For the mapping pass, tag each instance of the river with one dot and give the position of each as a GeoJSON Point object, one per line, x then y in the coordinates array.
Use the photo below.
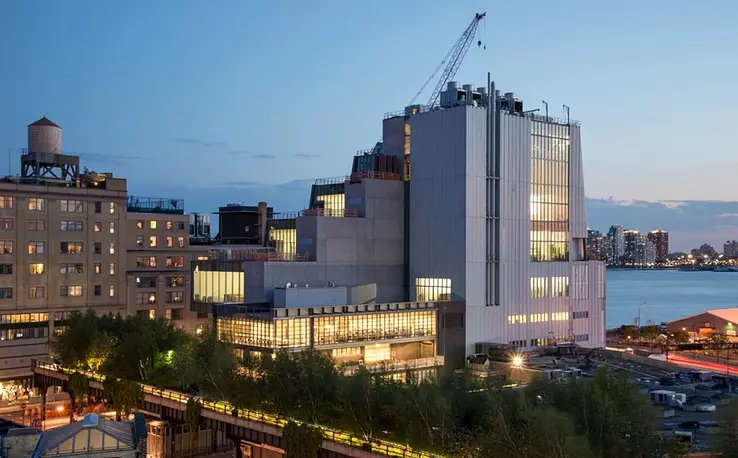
{"type": "Point", "coordinates": [668, 294]}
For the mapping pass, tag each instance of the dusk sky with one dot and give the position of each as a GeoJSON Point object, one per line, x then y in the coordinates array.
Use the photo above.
{"type": "Point", "coordinates": [242, 100]}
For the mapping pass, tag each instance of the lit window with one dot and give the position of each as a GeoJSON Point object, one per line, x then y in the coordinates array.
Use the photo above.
{"type": "Point", "coordinates": [146, 298]}
{"type": "Point", "coordinates": [112, 247]}
{"type": "Point", "coordinates": [559, 316]}
{"type": "Point", "coordinates": [560, 286]}
{"type": "Point", "coordinates": [6, 202]}
{"type": "Point", "coordinates": [112, 208]}
{"type": "Point", "coordinates": [432, 289]}
{"type": "Point", "coordinates": [36, 268]}
{"type": "Point", "coordinates": [175, 296]}
{"type": "Point", "coordinates": [66, 268]}
{"type": "Point", "coordinates": [146, 261]}
{"type": "Point", "coordinates": [538, 287]}
{"type": "Point", "coordinates": [174, 261]}
{"type": "Point", "coordinates": [35, 247]}
{"type": "Point", "coordinates": [516, 319]}
{"type": "Point", "coordinates": [139, 241]}
{"type": "Point", "coordinates": [173, 314]}
{"type": "Point", "coordinates": [170, 225]}
{"type": "Point", "coordinates": [152, 224]}
{"type": "Point", "coordinates": [152, 241]}
{"type": "Point", "coordinates": [538, 317]}
{"type": "Point", "coordinates": [98, 226]}
{"type": "Point", "coordinates": [6, 246]}
{"type": "Point", "coordinates": [69, 248]}
{"type": "Point", "coordinates": [112, 227]}
{"type": "Point", "coordinates": [70, 291]}
{"type": "Point", "coordinates": [71, 206]}
{"type": "Point", "coordinates": [112, 268]}
{"type": "Point", "coordinates": [6, 224]}
{"type": "Point", "coordinates": [180, 242]}
{"type": "Point", "coordinates": [139, 224]}
{"type": "Point", "coordinates": [36, 204]}
{"type": "Point", "coordinates": [169, 242]}
{"type": "Point", "coordinates": [35, 292]}
{"type": "Point", "coordinates": [98, 268]}
{"type": "Point", "coordinates": [111, 290]}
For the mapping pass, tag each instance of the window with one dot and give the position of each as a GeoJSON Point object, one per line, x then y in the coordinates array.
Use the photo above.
{"type": "Point", "coordinates": [146, 298]}
{"type": "Point", "coordinates": [149, 313]}
{"type": "Point", "coordinates": [538, 317]}
{"type": "Point", "coordinates": [175, 282]}
{"type": "Point", "coordinates": [139, 241]}
{"type": "Point", "coordinates": [559, 316]}
{"type": "Point", "coordinates": [67, 268]}
{"type": "Point", "coordinates": [170, 225]}
{"type": "Point", "coordinates": [581, 337]}
{"type": "Point", "coordinates": [71, 247]}
{"type": "Point", "coordinates": [98, 206]}
{"type": "Point", "coordinates": [152, 224]}
{"type": "Point", "coordinates": [152, 241]}
{"type": "Point", "coordinates": [112, 268]}
{"type": "Point", "coordinates": [579, 315]}
{"type": "Point", "coordinates": [6, 246]}
{"type": "Point", "coordinates": [36, 204]}
{"type": "Point", "coordinates": [111, 290]}
{"type": "Point", "coordinates": [538, 287]}
{"type": "Point", "coordinates": [98, 247]}
{"type": "Point", "coordinates": [432, 289]}
{"type": "Point", "coordinates": [72, 226]}
{"type": "Point", "coordinates": [146, 261]}
{"type": "Point", "coordinates": [180, 242]}
{"type": "Point", "coordinates": [174, 261]}
{"type": "Point", "coordinates": [112, 208]}
{"type": "Point", "coordinates": [97, 290]}
{"type": "Point", "coordinates": [560, 286]}
{"type": "Point", "coordinates": [36, 225]}
{"type": "Point", "coordinates": [516, 319]}
{"type": "Point", "coordinates": [146, 282]}
{"type": "Point", "coordinates": [169, 242]}
{"type": "Point", "coordinates": [6, 293]}
{"type": "Point", "coordinates": [180, 226]}
{"type": "Point", "coordinates": [112, 227]}
{"type": "Point", "coordinates": [175, 297]}
{"type": "Point", "coordinates": [70, 291]}
{"type": "Point", "coordinates": [71, 206]}
{"type": "Point", "coordinates": [6, 224]}
{"type": "Point", "coordinates": [36, 247]}
{"type": "Point", "coordinates": [98, 226]}
{"type": "Point", "coordinates": [112, 248]}
{"type": "Point", "coordinates": [98, 268]}
{"type": "Point", "coordinates": [36, 268]}
{"type": "Point", "coordinates": [35, 292]}
{"type": "Point", "coordinates": [139, 224]}
{"type": "Point", "coordinates": [173, 314]}
{"type": "Point", "coordinates": [6, 269]}
{"type": "Point", "coordinates": [6, 202]}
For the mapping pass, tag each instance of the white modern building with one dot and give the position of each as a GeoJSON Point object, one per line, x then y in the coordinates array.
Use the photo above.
{"type": "Point", "coordinates": [497, 220]}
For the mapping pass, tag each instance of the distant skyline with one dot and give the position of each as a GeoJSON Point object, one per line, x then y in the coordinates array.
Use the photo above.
{"type": "Point", "coordinates": [236, 99]}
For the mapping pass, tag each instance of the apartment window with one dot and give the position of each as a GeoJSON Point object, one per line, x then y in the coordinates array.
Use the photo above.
{"type": "Point", "coordinates": [6, 224]}
{"type": "Point", "coordinates": [36, 268]}
{"type": "Point", "coordinates": [152, 224]}
{"type": "Point", "coordinates": [6, 202]}
{"type": "Point", "coordinates": [538, 287]}
{"type": "Point", "coordinates": [146, 282]}
{"type": "Point", "coordinates": [112, 227]}
{"type": "Point", "coordinates": [6, 246]}
{"type": "Point", "coordinates": [36, 247]}
{"type": "Point", "coordinates": [146, 298]}
{"type": "Point", "coordinates": [560, 286]}
{"type": "Point", "coordinates": [180, 242]}
{"type": "Point", "coordinates": [580, 315]}
{"type": "Point", "coordinates": [98, 206]}
{"type": "Point", "coordinates": [432, 289]}
{"type": "Point", "coordinates": [35, 292]}
{"type": "Point", "coordinates": [112, 268]}
{"type": "Point", "coordinates": [152, 241]}
{"type": "Point", "coordinates": [6, 293]}
{"type": "Point", "coordinates": [72, 226]}
{"type": "Point", "coordinates": [173, 314]}
{"type": "Point", "coordinates": [66, 268]}
{"type": "Point", "coordinates": [175, 297]}
{"type": "Point", "coordinates": [139, 241]}
{"type": "Point", "coordinates": [175, 282]}
{"type": "Point", "coordinates": [112, 248]}
{"type": "Point", "coordinates": [98, 226]}
{"type": "Point", "coordinates": [149, 313]}
{"type": "Point", "coordinates": [71, 247]}
{"type": "Point", "coordinates": [98, 268]}
{"type": "Point", "coordinates": [169, 242]}
{"type": "Point", "coordinates": [174, 261]}
{"type": "Point", "coordinates": [111, 290]}
{"type": "Point", "coordinates": [98, 247]}
{"type": "Point", "coordinates": [170, 225]}
{"type": "Point", "coordinates": [139, 224]}
{"type": "Point", "coordinates": [559, 316]}
{"type": "Point", "coordinates": [36, 225]}
{"type": "Point", "coordinates": [146, 261]}
{"type": "Point", "coordinates": [112, 208]}
{"type": "Point", "coordinates": [36, 204]}
{"type": "Point", "coordinates": [6, 269]}
{"type": "Point", "coordinates": [70, 290]}
{"type": "Point", "coordinates": [180, 226]}
{"type": "Point", "coordinates": [71, 206]}
{"type": "Point", "coordinates": [517, 319]}
{"type": "Point", "coordinates": [538, 317]}
{"type": "Point", "coordinates": [97, 290]}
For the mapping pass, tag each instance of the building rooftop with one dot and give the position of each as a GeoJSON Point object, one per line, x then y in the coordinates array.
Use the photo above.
{"type": "Point", "coordinates": [729, 314]}
{"type": "Point", "coordinates": [124, 432]}
{"type": "Point", "coordinates": [45, 122]}
{"type": "Point", "coordinates": [137, 204]}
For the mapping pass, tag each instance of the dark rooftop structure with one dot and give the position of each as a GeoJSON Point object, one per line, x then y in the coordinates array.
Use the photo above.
{"type": "Point", "coordinates": [168, 206]}
{"type": "Point", "coordinates": [44, 122]}
{"type": "Point", "coordinates": [243, 224]}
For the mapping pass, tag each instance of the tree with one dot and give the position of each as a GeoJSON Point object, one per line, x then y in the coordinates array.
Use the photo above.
{"type": "Point", "coordinates": [216, 365]}
{"type": "Point", "coordinates": [124, 396]}
{"type": "Point", "coordinates": [192, 419]}
{"type": "Point", "coordinates": [679, 336]}
{"type": "Point", "coordinates": [301, 441]}
{"type": "Point", "coordinates": [79, 387]}
{"type": "Point", "coordinates": [650, 333]}
{"type": "Point", "coordinates": [726, 445]}
{"type": "Point", "coordinates": [317, 383]}
{"type": "Point", "coordinates": [358, 395]}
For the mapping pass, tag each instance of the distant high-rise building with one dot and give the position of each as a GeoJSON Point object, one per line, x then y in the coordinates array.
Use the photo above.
{"type": "Point", "coordinates": [616, 244]}
{"type": "Point", "coordinates": [631, 240]}
{"type": "Point", "coordinates": [596, 245]}
{"type": "Point", "coordinates": [730, 249]}
{"type": "Point", "coordinates": [660, 240]}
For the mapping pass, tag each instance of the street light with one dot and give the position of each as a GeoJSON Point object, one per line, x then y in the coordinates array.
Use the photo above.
{"type": "Point", "coordinates": [517, 361]}
{"type": "Point", "coordinates": [639, 313]}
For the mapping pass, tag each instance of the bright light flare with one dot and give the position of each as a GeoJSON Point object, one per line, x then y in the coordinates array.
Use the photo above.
{"type": "Point", "coordinates": [60, 408]}
{"type": "Point", "coordinates": [517, 361]}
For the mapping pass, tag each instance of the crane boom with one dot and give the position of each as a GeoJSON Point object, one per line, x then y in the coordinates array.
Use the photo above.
{"type": "Point", "coordinates": [454, 58]}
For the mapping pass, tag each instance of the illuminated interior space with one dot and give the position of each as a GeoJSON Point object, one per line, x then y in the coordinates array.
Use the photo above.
{"type": "Point", "coordinates": [284, 240]}
{"type": "Point", "coordinates": [217, 282]}
{"type": "Point", "coordinates": [432, 289]}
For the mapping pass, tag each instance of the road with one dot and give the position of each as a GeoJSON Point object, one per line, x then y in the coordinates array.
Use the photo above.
{"type": "Point", "coordinates": [685, 361]}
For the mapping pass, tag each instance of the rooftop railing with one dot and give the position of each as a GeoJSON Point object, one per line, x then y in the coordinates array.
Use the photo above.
{"type": "Point", "coordinates": [377, 176]}
{"type": "Point", "coordinates": [331, 180]}
{"type": "Point", "coordinates": [170, 206]}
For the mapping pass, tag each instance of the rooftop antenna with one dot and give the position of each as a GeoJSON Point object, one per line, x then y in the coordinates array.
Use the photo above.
{"type": "Point", "coordinates": [546, 104]}
{"type": "Point", "coordinates": [566, 110]}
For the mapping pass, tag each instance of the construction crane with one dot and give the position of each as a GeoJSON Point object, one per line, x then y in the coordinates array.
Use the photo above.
{"type": "Point", "coordinates": [453, 60]}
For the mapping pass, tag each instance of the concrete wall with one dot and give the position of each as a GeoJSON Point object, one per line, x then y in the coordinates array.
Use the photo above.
{"type": "Point", "coordinates": [310, 297]}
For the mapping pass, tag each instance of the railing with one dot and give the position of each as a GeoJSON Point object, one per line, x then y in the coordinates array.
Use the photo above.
{"type": "Point", "coordinates": [277, 257]}
{"type": "Point", "coordinates": [155, 205]}
{"type": "Point", "coordinates": [378, 446]}
{"type": "Point", "coordinates": [392, 366]}
{"type": "Point", "coordinates": [390, 176]}
{"type": "Point", "coordinates": [333, 212]}
{"type": "Point", "coordinates": [331, 180]}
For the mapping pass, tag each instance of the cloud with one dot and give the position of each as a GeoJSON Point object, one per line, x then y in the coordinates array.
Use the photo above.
{"type": "Point", "coordinates": [263, 156]}
{"type": "Point", "coordinates": [111, 159]}
{"type": "Point", "coordinates": [727, 215]}
{"type": "Point", "coordinates": [238, 153]}
{"type": "Point", "coordinates": [306, 155]}
{"type": "Point", "coordinates": [199, 142]}
{"type": "Point", "coordinates": [255, 156]}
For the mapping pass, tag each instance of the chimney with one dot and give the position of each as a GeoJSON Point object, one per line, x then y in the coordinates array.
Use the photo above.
{"type": "Point", "coordinates": [262, 222]}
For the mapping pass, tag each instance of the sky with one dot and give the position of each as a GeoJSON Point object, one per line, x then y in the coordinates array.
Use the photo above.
{"type": "Point", "coordinates": [250, 100]}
